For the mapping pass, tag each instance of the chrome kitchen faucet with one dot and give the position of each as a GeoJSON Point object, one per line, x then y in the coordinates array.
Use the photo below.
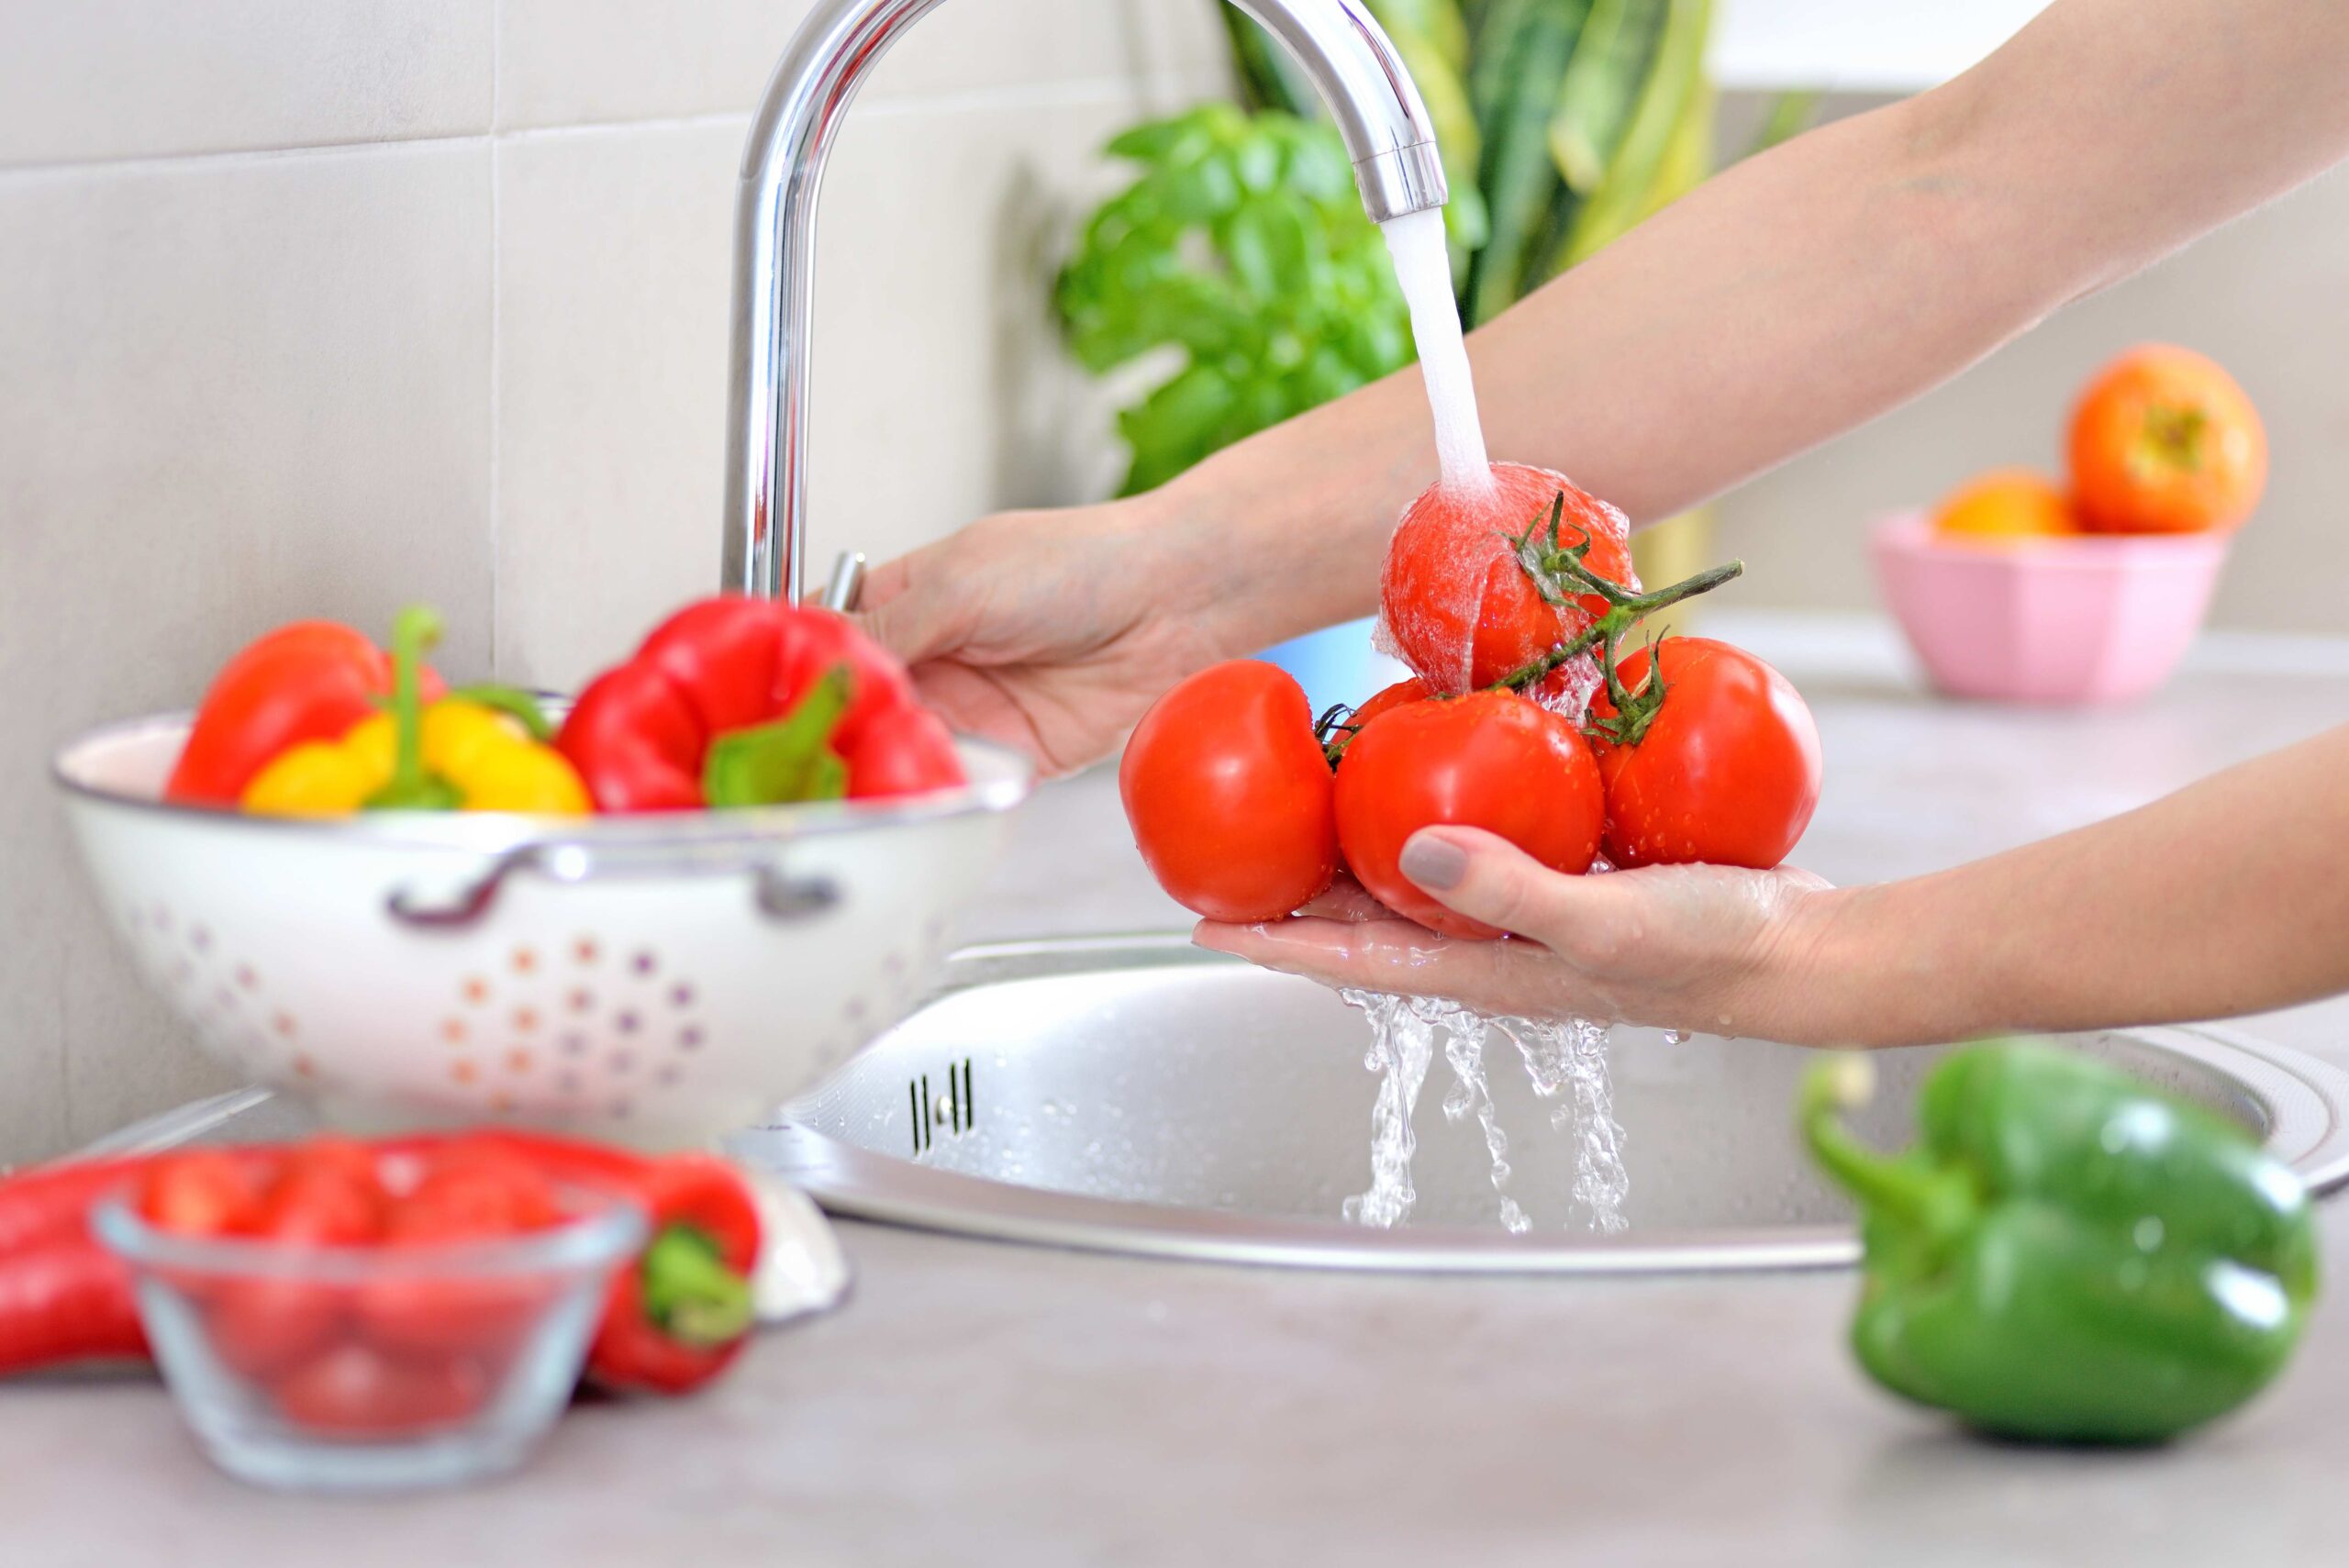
{"type": "Point", "coordinates": [1340, 46]}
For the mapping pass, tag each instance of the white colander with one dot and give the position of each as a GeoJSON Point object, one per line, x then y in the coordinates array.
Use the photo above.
{"type": "Point", "coordinates": [654, 980]}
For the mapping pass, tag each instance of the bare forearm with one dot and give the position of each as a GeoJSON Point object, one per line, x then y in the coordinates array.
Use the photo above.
{"type": "Point", "coordinates": [2228, 897]}
{"type": "Point", "coordinates": [1803, 292]}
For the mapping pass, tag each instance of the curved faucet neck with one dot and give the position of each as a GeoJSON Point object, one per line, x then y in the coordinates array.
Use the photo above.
{"type": "Point", "coordinates": [1338, 44]}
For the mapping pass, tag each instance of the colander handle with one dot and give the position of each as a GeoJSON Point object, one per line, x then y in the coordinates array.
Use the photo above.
{"type": "Point", "coordinates": [776, 892]}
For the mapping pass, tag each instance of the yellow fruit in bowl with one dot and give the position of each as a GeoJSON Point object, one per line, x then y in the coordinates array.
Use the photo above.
{"type": "Point", "coordinates": [2006, 504]}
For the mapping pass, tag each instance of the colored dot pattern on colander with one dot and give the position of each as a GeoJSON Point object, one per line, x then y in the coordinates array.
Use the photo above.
{"type": "Point", "coordinates": [226, 997]}
{"type": "Point", "coordinates": [576, 1027]}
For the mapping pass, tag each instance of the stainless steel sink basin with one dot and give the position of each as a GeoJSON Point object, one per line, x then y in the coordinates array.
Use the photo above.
{"type": "Point", "coordinates": [1136, 1096]}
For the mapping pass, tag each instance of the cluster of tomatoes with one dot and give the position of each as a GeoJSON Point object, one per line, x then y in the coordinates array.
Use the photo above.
{"type": "Point", "coordinates": [1519, 718]}
{"type": "Point", "coordinates": [395, 1349]}
{"type": "Point", "coordinates": [2163, 441]}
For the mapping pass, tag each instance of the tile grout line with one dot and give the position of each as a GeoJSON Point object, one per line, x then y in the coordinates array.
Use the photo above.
{"type": "Point", "coordinates": [151, 164]}
{"type": "Point", "coordinates": [888, 106]}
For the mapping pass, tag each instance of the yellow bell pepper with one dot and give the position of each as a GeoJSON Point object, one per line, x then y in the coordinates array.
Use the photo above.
{"type": "Point", "coordinates": [456, 755]}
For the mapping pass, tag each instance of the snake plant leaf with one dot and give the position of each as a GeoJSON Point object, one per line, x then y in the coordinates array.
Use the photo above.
{"type": "Point", "coordinates": [1490, 68]}
{"type": "Point", "coordinates": [1268, 77]}
{"type": "Point", "coordinates": [1623, 194]}
{"type": "Point", "coordinates": [1519, 176]}
{"type": "Point", "coordinates": [1788, 117]}
{"type": "Point", "coordinates": [1687, 158]}
{"type": "Point", "coordinates": [1602, 84]}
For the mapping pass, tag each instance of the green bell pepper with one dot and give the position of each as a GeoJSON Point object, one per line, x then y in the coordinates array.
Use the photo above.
{"type": "Point", "coordinates": [2067, 1254]}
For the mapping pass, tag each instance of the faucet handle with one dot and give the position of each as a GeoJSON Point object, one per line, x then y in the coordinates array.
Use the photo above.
{"type": "Point", "coordinates": [848, 581]}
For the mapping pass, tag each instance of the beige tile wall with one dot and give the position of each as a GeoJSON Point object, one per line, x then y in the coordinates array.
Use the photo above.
{"type": "Point", "coordinates": [320, 308]}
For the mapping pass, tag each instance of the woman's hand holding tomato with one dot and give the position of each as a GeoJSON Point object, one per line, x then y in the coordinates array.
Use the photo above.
{"type": "Point", "coordinates": [1467, 818]}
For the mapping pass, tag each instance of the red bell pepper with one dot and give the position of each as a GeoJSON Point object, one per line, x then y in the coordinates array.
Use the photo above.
{"type": "Point", "coordinates": [310, 681]}
{"type": "Point", "coordinates": [683, 1311]}
{"type": "Point", "coordinates": [739, 702]}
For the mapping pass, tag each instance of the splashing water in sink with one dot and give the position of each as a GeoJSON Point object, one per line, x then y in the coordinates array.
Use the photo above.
{"type": "Point", "coordinates": [1572, 1055]}
{"type": "Point", "coordinates": [1463, 1048]}
{"type": "Point", "coordinates": [1402, 1040]}
{"type": "Point", "coordinates": [1561, 1058]}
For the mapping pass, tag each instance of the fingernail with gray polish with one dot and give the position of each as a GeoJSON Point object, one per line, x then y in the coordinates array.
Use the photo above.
{"type": "Point", "coordinates": [1434, 864]}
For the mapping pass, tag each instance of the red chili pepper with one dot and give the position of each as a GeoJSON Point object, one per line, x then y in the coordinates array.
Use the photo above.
{"type": "Point", "coordinates": [739, 701]}
{"type": "Point", "coordinates": [681, 1316]}
{"type": "Point", "coordinates": [51, 1203]}
{"type": "Point", "coordinates": [64, 1297]}
{"type": "Point", "coordinates": [66, 1301]}
{"type": "Point", "coordinates": [310, 681]}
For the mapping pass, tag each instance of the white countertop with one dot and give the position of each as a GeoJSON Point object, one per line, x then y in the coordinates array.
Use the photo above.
{"type": "Point", "coordinates": [978, 1403]}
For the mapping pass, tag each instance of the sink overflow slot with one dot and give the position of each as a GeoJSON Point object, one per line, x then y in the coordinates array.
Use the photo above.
{"type": "Point", "coordinates": [952, 1108]}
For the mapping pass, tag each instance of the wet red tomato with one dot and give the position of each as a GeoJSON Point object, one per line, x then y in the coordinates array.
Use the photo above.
{"type": "Point", "coordinates": [1227, 791]}
{"type": "Point", "coordinates": [1490, 760]}
{"type": "Point", "coordinates": [1728, 772]}
{"type": "Point", "coordinates": [1462, 611]}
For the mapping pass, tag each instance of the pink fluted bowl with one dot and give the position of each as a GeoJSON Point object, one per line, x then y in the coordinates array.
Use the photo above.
{"type": "Point", "coordinates": [2098, 619]}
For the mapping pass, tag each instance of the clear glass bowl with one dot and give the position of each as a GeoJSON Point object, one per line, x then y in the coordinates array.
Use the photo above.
{"type": "Point", "coordinates": [380, 1368]}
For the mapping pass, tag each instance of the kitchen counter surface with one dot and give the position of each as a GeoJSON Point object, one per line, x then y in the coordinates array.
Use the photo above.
{"type": "Point", "coordinates": [984, 1403]}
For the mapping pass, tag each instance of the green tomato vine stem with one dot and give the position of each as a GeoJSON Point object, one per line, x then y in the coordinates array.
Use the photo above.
{"type": "Point", "coordinates": [1562, 575]}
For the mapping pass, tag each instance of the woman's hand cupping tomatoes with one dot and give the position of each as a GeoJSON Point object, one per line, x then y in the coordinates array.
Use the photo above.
{"type": "Point", "coordinates": [1505, 604]}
